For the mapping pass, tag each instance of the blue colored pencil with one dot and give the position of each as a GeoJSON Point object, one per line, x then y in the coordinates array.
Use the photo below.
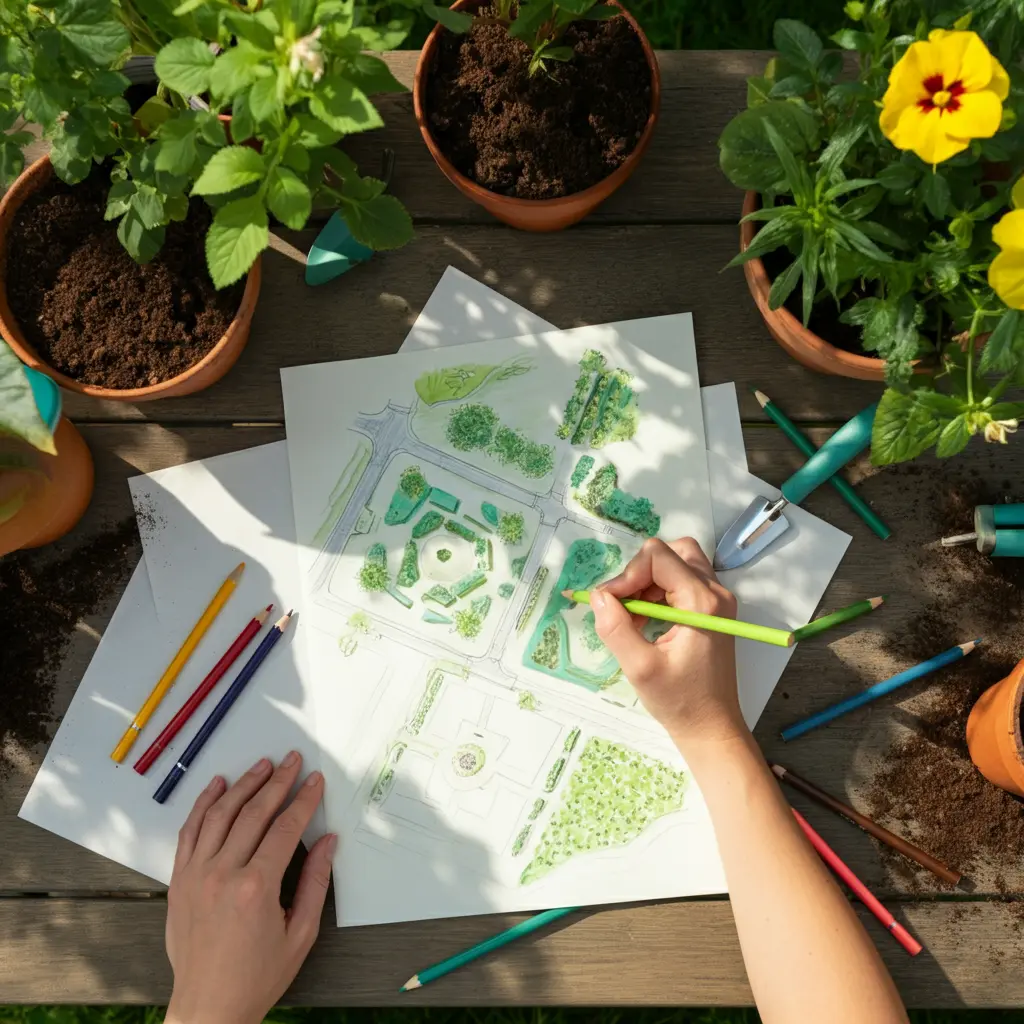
{"type": "Point", "coordinates": [233, 692]}
{"type": "Point", "coordinates": [517, 931]}
{"type": "Point", "coordinates": [886, 686]}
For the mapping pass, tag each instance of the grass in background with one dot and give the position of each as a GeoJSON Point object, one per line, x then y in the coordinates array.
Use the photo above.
{"type": "Point", "coordinates": [154, 1015]}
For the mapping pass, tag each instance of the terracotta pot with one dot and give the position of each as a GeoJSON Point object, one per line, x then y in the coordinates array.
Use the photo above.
{"type": "Point", "coordinates": [57, 502]}
{"type": "Point", "coordinates": [803, 345]}
{"type": "Point", "coordinates": [207, 371]}
{"type": "Point", "coordinates": [534, 214]}
{"type": "Point", "coordinates": [994, 735]}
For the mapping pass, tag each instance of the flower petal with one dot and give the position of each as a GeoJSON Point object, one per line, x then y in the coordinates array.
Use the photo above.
{"type": "Point", "coordinates": [1017, 193]}
{"type": "Point", "coordinates": [1008, 234]}
{"type": "Point", "coordinates": [923, 131]}
{"type": "Point", "coordinates": [1000, 83]}
{"type": "Point", "coordinates": [906, 80]}
{"type": "Point", "coordinates": [1006, 276]}
{"type": "Point", "coordinates": [963, 57]}
{"type": "Point", "coordinates": [977, 116]}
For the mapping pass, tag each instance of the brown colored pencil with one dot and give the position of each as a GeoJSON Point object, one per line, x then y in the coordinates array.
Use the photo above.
{"type": "Point", "coordinates": [926, 860]}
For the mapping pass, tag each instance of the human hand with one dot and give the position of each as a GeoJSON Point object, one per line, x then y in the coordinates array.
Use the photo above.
{"type": "Point", "coordinates": [686, 678]}
{"type": "Point", "coordinates": [233, 949]}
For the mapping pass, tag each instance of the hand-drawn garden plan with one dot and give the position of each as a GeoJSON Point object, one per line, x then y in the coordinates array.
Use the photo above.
{"type": "Point", "coordinates": [482, 750]}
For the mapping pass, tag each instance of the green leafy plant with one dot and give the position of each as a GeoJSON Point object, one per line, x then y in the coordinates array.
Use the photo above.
{"type": "Point", "coordinates": [899, 245]}
{"type": "Point", "coordinates": [22, 434]}
{"type": "Point", "coordinates": [541, 24]}
{"type": "Point", "coordinates": [291, 74]}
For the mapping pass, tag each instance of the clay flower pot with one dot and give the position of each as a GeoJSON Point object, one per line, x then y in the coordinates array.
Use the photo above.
{"type": "Point", "coordinates": [534, 214]}
{"type": "Point", "coordinates": [207, 371]}
{"type": "Point", "coordinates": [803, 345]}
{"type": "Point", "coordinates": [60, 495]}
{"type": "Point", "coordinates": [994, 734]}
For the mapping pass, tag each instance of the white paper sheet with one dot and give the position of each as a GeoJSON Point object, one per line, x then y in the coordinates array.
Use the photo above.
{"type": "Point", "coordinates": [199, 520]}
{"type": "Point", "coordinates": [462, 310]}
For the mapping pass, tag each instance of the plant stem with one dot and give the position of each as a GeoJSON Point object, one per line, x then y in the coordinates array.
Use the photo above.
{"type": "Point", "coordinates": [997, 390]}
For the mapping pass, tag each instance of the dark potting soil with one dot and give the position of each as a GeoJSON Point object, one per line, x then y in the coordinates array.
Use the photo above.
{"type": "Point", "coordinates": [42, 598]}
{"type": "Point", "coordinates": [928, 787]}
{"type": "Point", "coordinates": [91, 311]}
{"type": "Point", "coordinates": [545, 136]}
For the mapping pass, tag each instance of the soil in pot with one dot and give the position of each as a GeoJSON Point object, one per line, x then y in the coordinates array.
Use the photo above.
{"type": "Point", "coordinates": [549, 135]}
{"type": "Point", "coordinates": [90, 311]}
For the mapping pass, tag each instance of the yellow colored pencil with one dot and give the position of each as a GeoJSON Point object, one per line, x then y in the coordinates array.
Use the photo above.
{"type": "Point", "coordinates": [166, 681]}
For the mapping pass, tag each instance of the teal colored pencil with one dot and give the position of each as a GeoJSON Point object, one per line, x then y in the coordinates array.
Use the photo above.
{"type": "Point", "coordinates": [517, 931]}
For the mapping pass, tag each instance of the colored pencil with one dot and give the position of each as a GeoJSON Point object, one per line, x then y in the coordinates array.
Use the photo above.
{"type": "Point", "coordinates": [217, 715]}
{"type": "Point", "coordinates": [517, 931]}
{"type": "Point", "coordinates": [807, 446]}
{"type": "Point", "coordinates": [879, 689]}
{"type": "Point", "coordinates": [714, 623]}
{"type": "Point", "coordinates": [166, 681]}
{"type": "Point", "coordinates": [201, 692]}
{"type": "Point", "coordinates": [851, 611]}
{"type": "Point", "coordinates": [860, 890]}
{"type": "Point", "coordinates": [926, 860]}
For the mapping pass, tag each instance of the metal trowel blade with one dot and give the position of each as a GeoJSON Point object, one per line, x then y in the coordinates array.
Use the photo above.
{"type": "Point", "coordinates": [749, 535]}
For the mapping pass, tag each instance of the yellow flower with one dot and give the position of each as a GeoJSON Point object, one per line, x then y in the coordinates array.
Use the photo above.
{"type": "Point", "coordinates": [1006, 271]}
{"type": "Point", "coordinates": [943, 93]}
{"type": "Point", "coordinates": [996, 430]}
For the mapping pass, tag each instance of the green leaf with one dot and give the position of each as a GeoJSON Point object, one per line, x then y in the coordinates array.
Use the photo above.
{"type": "Point", "coordinates": [379, 223]}
{"type": "Point", "coordinates": [119, 199]}
{"type": "Point", "coordinates": [795, 173]}
{"type": "Point", "coordinates": [228, 169]}
{"type": "Point", "coordinates": [758, 89]}
{"type": "Point", "coordinates": [600, 12]}
{"type": "Point", "coordinates": [141, 242]}
{"type": "Point", "coordinates": [850, 185]}
{"type": "Point", "coordinates": [238, 234]}
{"type": "Point", "coordinates": [791, 85]}
{"type": "Point", "coordinates": [263, 101]}
{"type": "Point", "coordinates": [109, 83]}
{"type": "Point", "coordinates": [746, 155]}
{"type": "Point", "coordinates": [236, 69]}
{"type": "Point", "coordinates": [289, 198]}
{"type": "Point", "coordinates": [177, 151]}
{"type": "Point", "coordinates": [12, 162]}
{"type": "Point", "coordinates": [859, 241]}
{"type": "Point", "coordinates": [796, 42]}
{"type": "Point", "coordinates": [845, 138]}
{"type": "Point", "coordinates": [809, 256]}
{"type": "Point", "coordinates": [242, 124]}
{"type": "Point", "coordinates": [1005, 346]}
{"type": "Point", "coordinates": [343, 106]}
{"type": "Point", "coordinates": [12, 55]}
{"type": "Point", "coordinates": [1006, 410]}
{"type": "Point", "coordinates": [297, 158]}
{"type": "Point", "coordinates": [90, 29]}
{"type": "Point", "coordinates": [851, 39]}
{"type": "Point", "coordinates": [575, 7]}
{"type": "Point", "coordinates": [879, 232]}
{"type": "Point", "coordinates": [530, 18]}
{"type": "Point", "coordinates": [184, 65]}
{"type": "Point", "coordinates": [783, 285]}
{"type": "Point", "coordinates": [18, 413]}
{"type": "Point", "coordinates": [388, 36]}
{"type": "Point", "coordinates": [862, 205]}
{"type": "Point", "coordinates": [889, 327]}
{"type": "Point", "coordinates": [41, 104]}
{"type": "Point", "coordinates": [562, 53]}
{"type": "Point", "coordinates": [188, 7]}
{"type": "Point", "coordinates": [314, 134]}
{"type": "Point", "coordinates": [898, 177]}
{"type": "Point", "coordinates": [934, 193]}
{"type": "Point", "coordinates": [961, 228]}
{"type": "Point", "coordinates": [372, 75]}
{"type": "Point", "coordinates": [153, 113]}
{"type": "Point", "coordinates": [454, 21]}
{"type": "Point", "coordinates": [831, 67]}
{"type": "Point", "coordinates": [259, 28]}
{"type": "Point", "coordinates": [954, 437]}
{"type": "Point", "coordinates": [772, 236]}
{"type": "Point", "coordinates": [904, 427]}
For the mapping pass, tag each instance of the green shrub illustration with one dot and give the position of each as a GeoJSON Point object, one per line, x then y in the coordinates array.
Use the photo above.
{"type": "Point", "coordinates": [538, 806]}
{"type": "Point", "coordinates": [505, 590]}
{"type": "Point", "coordinates": [435, 679]}
{"type": "Point", "coordinates": [582, 468]}
{"type": "Point", "coordinates": [412, 483]}
{"type": "Point", "coordinates": [409, 572]}
{"type": "Point", "coordinates": [468, 760]}
{"type": "Point", "coordinates": [614, 794]}
{"type": "Point", "coordinates": [471, 427]}
{"type": "Point", "coordinates": [511, 526]}
{"type": "Point", "coordinates": [443, 554]}
{"type": "Point", "coordinates": [571, 740]}
{"type": "Point", "coordinates": [527, 701]}
{"type": "Point", "coordinates": [547, 651]}
{"type": "Point", "coordinates": [481, 606]}
{"type": "Point", "coordinates": [469, 583]}
{"type": "Point", "coordinates": [428, 523]}
{"type": "Point", "coordinates": [517, 566]}
{"type": "Point", "coordinates": [602, 407]}
{"type": "Point", "coordinates": [373, 576]}
{"type": "Point", "coordinates": [554, 774]}
{"type": "Point", "coordinates": [441, 594]}
{"type": "Point", "coordinates": [513, 448]}
{"type": "Point", "coordinates": [460, 530]}
{"type": "Point", "coordinates": [468, 624]}
{"type": "Point", "coordinates": [489, 512]}
{"type": "Point", "coordinates": [521, 839]}
{"type": "Point", "coordinates": [589, 636]}
{"type": "Point", "coordinates": [603, 498]}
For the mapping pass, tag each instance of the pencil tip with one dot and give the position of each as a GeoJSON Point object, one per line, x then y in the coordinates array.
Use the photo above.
{"type": "Point", "coordinates": [270, 607]}
{"type": "Point", "coordinates": [876, 601]}
{"type": "Point", "coordinates": [237, 571]}
{"type": "Point", "coordinates": [762, 398]}
{"type": "Point", "coordinates": [567, 593]}
{"type": "Point", "coordinates": [777, 769]}
{"type": "Point", "coordinates": [413, 982]}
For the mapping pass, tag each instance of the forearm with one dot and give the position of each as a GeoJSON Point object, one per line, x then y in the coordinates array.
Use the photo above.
{"type": "Point", "coordinates": [806, 953]}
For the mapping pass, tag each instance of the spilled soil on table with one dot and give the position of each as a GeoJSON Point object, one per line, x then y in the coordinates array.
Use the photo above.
{"type": "Point", "coordinates": [927, 788]}
{"type": "Point", "coordinates": [43, 597]}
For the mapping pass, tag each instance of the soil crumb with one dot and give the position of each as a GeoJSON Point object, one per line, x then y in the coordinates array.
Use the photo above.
{"type": "Point", "coordinates": [91, 311]}
{"type": "Point", "coordinates": [547, 135]}
{"type": "Point", "coordinates": [42, 598]}
{"type": "Point", "coordinates": [928, 785]}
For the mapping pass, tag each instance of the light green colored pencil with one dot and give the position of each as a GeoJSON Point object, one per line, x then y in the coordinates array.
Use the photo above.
{"type": "Point", "coordinates": [852, 611]}
{"type": "Point", "coordinates": [714, 623]}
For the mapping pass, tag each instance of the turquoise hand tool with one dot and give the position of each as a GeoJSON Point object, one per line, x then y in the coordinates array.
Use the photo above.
{"type": "Point", "coordinates": [989, 534]}
{"type": "Point", "coordinates": [762, 522]}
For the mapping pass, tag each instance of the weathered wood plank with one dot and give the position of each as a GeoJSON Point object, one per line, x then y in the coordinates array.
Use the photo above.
{"type": "Point", "coordinates": [112, 951]}
{"type": "Point", "coordinates": [570, 278]}
{"type": "Point", "coordinates": [843, 757]}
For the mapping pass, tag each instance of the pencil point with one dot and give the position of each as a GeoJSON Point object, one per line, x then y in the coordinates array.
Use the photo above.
{"type": "Point", "coordinates": [762, 398]}
{"type": "Point", "coordinates": [413, 982]}
{"type": "Point", "coordinates": [567, 593]}
{"type": "Point", "coordinates": [876, 601]}
{"type": "Point", "coordinates": [262, 616]}
{"type": "Point", "coordinates": [236, 573]}
{"type": "Point", "coordinates": [777, 769]}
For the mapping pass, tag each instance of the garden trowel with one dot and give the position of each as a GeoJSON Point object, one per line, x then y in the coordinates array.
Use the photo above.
{"type": "Point", "coordinates": [762, 522]}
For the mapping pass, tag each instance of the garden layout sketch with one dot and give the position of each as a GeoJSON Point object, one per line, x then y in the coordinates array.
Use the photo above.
{"type": "Point", "coordinates": [482, 750]}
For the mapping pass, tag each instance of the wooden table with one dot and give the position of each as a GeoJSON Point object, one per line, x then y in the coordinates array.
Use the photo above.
{"type": "Point", "coordinates": [77, 928]}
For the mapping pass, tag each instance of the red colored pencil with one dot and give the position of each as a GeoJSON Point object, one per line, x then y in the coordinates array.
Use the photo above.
{"type": "Point", "coordinates": [860, 890]}
{"type": "Point", "coordinates": [201, 692]}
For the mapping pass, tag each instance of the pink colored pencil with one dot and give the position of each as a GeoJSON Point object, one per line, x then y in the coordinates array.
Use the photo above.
{"type": "Point", "coordinates": [860, 890]}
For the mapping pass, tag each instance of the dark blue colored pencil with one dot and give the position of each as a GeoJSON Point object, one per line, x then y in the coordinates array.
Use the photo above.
{"type": "Point", "coordinates": [232, 694]}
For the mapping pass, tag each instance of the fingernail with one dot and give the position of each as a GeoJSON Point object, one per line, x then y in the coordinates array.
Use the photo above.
{"type": "Point", "coordinates": [313, 778]}
{"type": "Point", "coordinates": [215, 783]}
{"type": "Point", "coordinates": [597, 600]}
{"type": "Point", "coordinates": [259, 767]}
{"type": "Point", "coordinates": [332, 845]}
{"type": "Point", "coordinates": [290, 758]}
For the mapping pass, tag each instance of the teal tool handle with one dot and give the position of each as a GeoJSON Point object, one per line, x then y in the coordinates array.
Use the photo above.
{"type": "Point", "coordinates": [1007, 515]}
{"type": "Point", "coordinates": [1009, 544]}
{"type": "Point", "coordinates": [849, 440]}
